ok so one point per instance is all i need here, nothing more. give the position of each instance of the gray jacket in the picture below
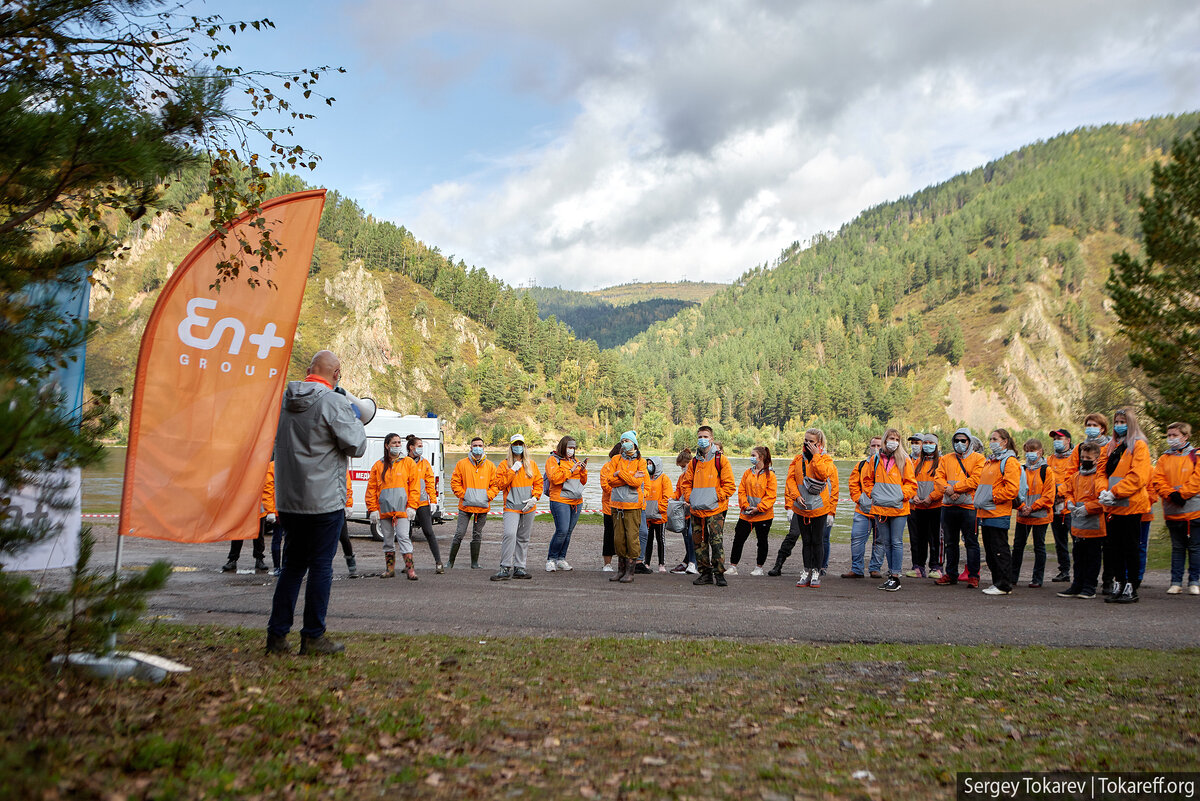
(317, 433)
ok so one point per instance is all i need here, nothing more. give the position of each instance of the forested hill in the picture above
(978, 299)
(591, 317)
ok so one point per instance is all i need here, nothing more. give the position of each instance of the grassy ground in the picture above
(444, 717)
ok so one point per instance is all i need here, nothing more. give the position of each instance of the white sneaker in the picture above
(550, 567)
(692, 568)
(935, 573)
(607, 568)
(1174, 589)
(803, 582)
(731, 570)
(1194, 589)
(662, 568)
(758, 571)
(994, 590)
(561, 564)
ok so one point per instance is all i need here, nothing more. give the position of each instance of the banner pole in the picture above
(112, 638)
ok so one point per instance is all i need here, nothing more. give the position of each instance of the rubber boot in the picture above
(389, 560)
(409, 570)
(620, 569)
(453, 553)
(627, 576)
(352, 566)
(475, 554)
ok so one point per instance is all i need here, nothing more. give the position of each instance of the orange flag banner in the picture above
(210, 378)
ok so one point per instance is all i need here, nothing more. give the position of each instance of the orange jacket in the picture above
(626, 480)
(707, 484)
(1061, 467)
(954, 468)
(426, 484)
(756, 495)
(889, 485)
(517, 486)
(925, 471)
(391, 495)
(570, 474)
(349, 491)
(605, 491)
(834, 491)
(267, 505)
(658, 492)
(1148, 517)
(1129, 478)
(1177, 472)
(471, 483)
(1083, 504)
(862, 502)
(807, 491)
(995, 486)
(1040, 496)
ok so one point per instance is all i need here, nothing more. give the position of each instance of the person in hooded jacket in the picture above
(1037, 497)
(963, 462)
(390, 487)
(565, 478)
(318, 433)
(520, 481)
(626, 480)
(608, 547)
(707, 485)
(1082, 493)
(807, 497)
(1176, 480)
(995, 488)
(688, 565)
(1060, 522)
(426, 494)
(862, 525)
(266, 523)
(1125, 465)
(890, 484)
(925, 513)
(658, 492)
(756, 502)
(471, 483)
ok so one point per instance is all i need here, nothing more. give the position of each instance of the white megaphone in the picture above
(364, 408)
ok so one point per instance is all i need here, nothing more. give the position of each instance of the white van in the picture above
(385, 422)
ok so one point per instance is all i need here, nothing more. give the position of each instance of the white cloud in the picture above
(709, 135)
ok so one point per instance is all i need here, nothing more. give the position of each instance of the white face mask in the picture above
(417, 452)
(892, 445)
(394, 451)
(571, 452)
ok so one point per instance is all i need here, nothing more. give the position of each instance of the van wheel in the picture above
(375, 535)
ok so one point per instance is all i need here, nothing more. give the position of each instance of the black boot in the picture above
(230, 566)
(277, 645)
(777, 570)
(620, 570)
(453, 553)
(705, 577)
(475, 555)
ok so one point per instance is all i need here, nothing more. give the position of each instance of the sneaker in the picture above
(439, 569)
(891, 585)
(1035, 585)
(731, 570)
(1069, 592)
(1174, 589)
(680, 568)
(641, 569)
(551, 566)
(963, 576)
(814, 581)
(803, 582)
(719, 580)
(934, 573)
(973, 582)
(519, 573)
(758, 571)
(917, 571)
(275, 571)
(1064, 576)
(503, 574)
(946, 580)
(1194, 589)
(607, 568)
(692, 569)
(1086, 595)
(850, 574)
(662, 568)
(563, 564)
(994, 590)
(822, 571)
(320, 646)
(230, 566)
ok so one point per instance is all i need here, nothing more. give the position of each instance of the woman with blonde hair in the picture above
(889, 481)
(519, 479)
(1125, 467)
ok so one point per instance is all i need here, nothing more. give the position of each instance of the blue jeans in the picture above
(1185, 547)
(860, 531)
(689, 555)
(1144, 544)
(828, 532)
(311, 543)
(565, 517)
(643, 535)
(891, 536)
(277, 537)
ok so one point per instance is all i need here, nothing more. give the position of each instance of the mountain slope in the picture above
(976, 299)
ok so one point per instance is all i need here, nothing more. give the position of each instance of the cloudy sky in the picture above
(583, 144)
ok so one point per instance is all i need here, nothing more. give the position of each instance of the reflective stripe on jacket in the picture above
(1087, 519)
(1129, 478)
(996, 486)
(389, 495)
(862, 501)
(426, 484)
(756, 495)
(926, 473)
(625, 481)
(954, 468)
(472, 484)
(518, 487)
(889, 484)
(658, 491)
(1177, 472)
(707, 484)
(1039, 497)
(807, 491)
(567, 477)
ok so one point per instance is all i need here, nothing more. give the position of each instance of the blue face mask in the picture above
(1120, 429)
(627, 446)
(1060, 446)
(961, 447)
(916, 451)
(477, 451)
(928, 447)
(1031, 459)
(1092, 432)
(997, 448)
(702, 443)
(518, 450)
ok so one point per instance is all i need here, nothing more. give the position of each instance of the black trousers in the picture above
(956, 522)
(260, 542)
(1122, 548)
(1061, 526)
(999, 561)
(425, 521)
(654, 531)
(347, 548)
(609, 548)
(1020, 537)
(1087, 563)
(811, 533)
(925, 536)
(741, 532)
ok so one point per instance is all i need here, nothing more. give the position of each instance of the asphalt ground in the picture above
(584, 603)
